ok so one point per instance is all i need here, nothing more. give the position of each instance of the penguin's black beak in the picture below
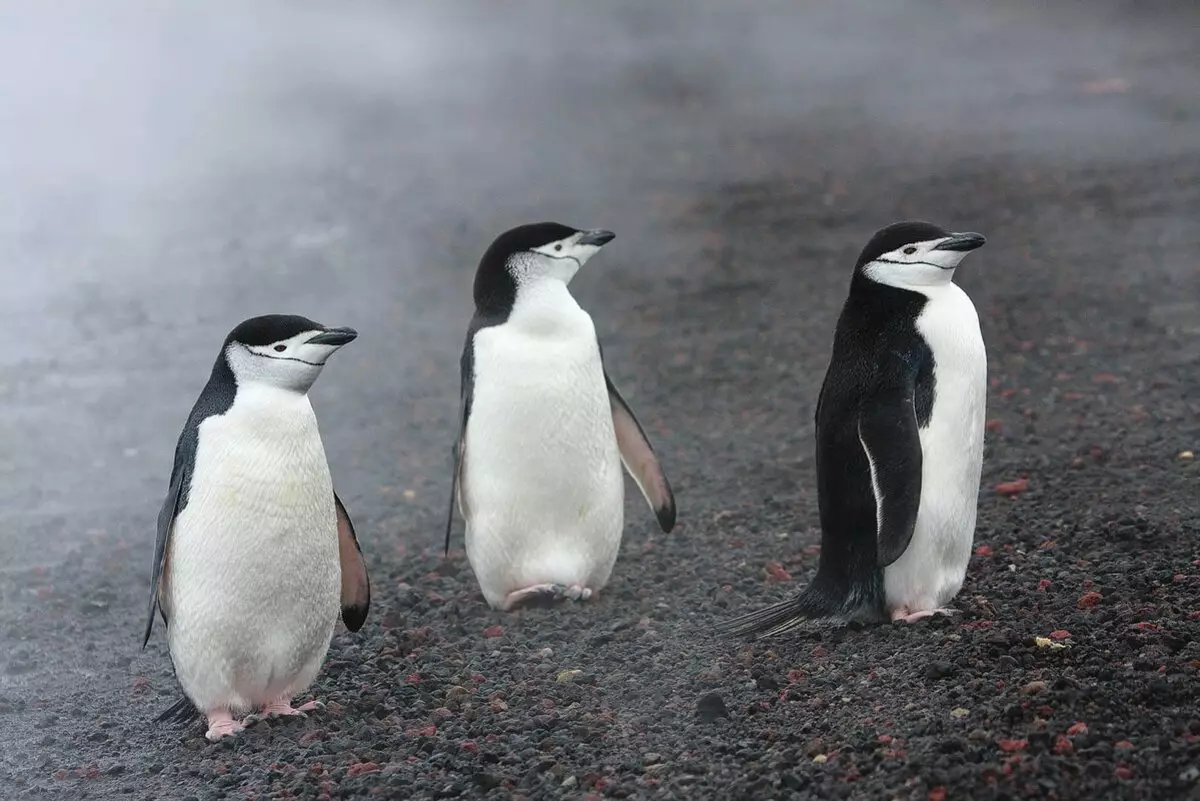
(596, 238)
(334, 336)
(968, 240)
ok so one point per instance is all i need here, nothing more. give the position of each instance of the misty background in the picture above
(167, 170)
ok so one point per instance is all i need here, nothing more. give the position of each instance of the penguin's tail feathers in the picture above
(182, 711)
(811, 604)
(818, 602)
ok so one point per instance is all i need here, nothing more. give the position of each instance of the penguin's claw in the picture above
(577, 593)
(901, 616)
(221, 724)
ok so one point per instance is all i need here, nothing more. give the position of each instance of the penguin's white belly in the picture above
(544, 494)
(931, 571)
(253, 578)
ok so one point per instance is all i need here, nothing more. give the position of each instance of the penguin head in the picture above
(282, 350)
(532, 253)
(912, 255)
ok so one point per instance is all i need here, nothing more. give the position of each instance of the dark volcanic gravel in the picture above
(741, 181)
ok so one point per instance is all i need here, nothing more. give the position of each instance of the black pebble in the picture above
(710, 707)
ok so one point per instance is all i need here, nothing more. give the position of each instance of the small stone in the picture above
(1034, 687)
(650, 758)
(569, 782)
(820, 759)
(545, 653)
(939, 670)
(710, 707)
(959, 712)
(567, 676)
(1186, 456)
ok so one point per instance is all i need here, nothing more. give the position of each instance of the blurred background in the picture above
(167, 170)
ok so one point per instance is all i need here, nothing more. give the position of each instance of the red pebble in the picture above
(1011, 489)
(794, 676)
(413, 678)
(937, 794)
(995, 424)
(775, 572)
(1089, 600)
(1009, 746)
(1144, 626)
(1123, 744)
(983, 550)
(1079, 727)
(1105, 378)
(1043, 585)
(1194, 615)
(1060, 634)
(1062, 745)
(360, 768)
(469, 745)
(140, 683)
(493, 631)
(1123, 772)
(884, 738)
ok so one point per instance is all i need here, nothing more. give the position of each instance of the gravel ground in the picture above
(741, 181)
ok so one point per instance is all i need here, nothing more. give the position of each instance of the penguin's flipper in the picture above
(640, 460)
(459, 451)
(181, 476)
(887, 429)
(356, 585)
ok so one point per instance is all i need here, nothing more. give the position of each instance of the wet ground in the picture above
(168, 173)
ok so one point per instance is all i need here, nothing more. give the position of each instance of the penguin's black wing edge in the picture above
(639, 458)
(467, 364)
(887, 429)
(181, 475)
(356, 585)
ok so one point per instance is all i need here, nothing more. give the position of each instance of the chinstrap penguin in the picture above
(899, 436)
(543, 431)
(256, 555)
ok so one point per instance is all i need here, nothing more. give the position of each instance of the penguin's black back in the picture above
(876, 342)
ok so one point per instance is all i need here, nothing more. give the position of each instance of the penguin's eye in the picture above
(910, 250)
(280, 348)
(557, 248)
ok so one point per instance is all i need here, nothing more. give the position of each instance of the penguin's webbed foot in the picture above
(903, 616)
(541, 594)
(282, 708)
(221, 724)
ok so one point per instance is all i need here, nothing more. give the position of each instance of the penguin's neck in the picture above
(545, 308)
(262, 401)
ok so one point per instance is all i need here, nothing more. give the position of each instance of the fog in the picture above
(167, 169)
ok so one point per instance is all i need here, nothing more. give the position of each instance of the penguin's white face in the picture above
(559, 259)
(291, 363)
(926, 263)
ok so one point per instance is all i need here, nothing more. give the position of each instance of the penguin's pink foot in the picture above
(902, 615)
(536, 592)
(282, 708)
(546, 593)
(221, 724)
